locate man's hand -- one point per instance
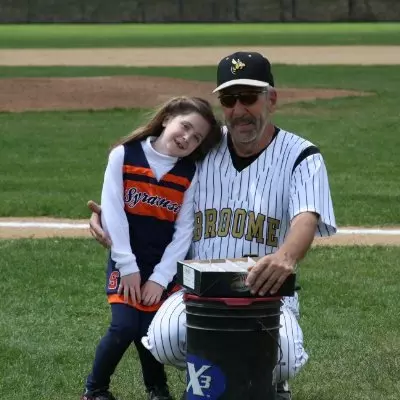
(96, 229)
(151, 293)
(269, 273)
(130, 286)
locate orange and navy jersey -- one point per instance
(151, 207)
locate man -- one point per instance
(262, 191)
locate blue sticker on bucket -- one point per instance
(204, 380)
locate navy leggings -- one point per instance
(128, 325)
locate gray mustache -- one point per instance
(238, 121)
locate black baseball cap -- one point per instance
(244, 68)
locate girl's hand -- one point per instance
(130, 286)
(151, 293)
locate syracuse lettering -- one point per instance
(133, 197)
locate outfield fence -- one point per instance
(108, 11)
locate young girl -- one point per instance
(147, 210)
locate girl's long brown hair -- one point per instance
(180, 106)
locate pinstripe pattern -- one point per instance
(249, 212)
(268, 188)
(291, 342)
(166, 337)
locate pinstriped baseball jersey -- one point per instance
(248, 211)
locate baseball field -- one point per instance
(68, 92)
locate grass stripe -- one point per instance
(182, 35)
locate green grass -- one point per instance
(51, 163)
(180, 35)
(350, 331)
(50, 328)
(199, 73)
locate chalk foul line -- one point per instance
(66, 225)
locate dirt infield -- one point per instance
(200, 56)
(21, 94)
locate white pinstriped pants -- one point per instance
(166, 337)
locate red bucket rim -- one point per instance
(232, 301)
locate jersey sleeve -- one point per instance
(310, 192)
(113, 216)
(177, 250)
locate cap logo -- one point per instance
(237, 65)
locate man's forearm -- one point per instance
(300, 236)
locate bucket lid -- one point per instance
(232, 301)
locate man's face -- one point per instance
(246, 112)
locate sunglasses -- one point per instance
(245, 98)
